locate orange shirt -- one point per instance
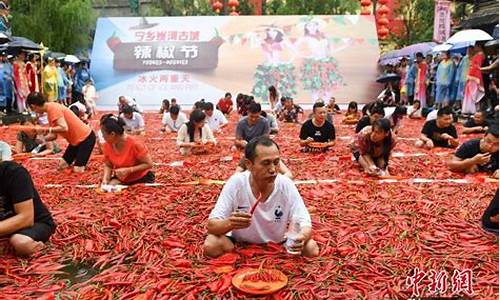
(77, 130)
(129, 156)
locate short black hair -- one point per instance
(419, 54)
(254, 108)
(111, 123)
(445, 111)
(493, 129)
(174, 109)
(36, 99)
(251, 147)
(208, 106)
(127, 109)
(377, 109)
(318, 104)
(75, 110)
(199, 104)
(227, 94)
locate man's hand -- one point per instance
(482, 158)
(495, 174)
(240, 220)
(122, 173)
(299, 243)
(309, 140)
(446, 136)
(429, 144)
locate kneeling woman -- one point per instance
(195, 135)
(126, 160)
(372, 147)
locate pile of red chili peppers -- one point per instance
(376, 238)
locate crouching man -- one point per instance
(232, 220)
(23, 216)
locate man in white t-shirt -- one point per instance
(128, 101)
(215, 118)
(280, 201)
(134, 122)
(173, 119)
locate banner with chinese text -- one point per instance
(190, 58)
(442, 23)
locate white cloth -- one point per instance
(417, 114)
(135, 123)
(432, 115)
(270, 219)
(171, 124)
(216, 120)
(183, 137)
(81, 107)
(5, 151)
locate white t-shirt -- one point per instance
(417, 114)
(171, 124)
(270, 219)
(136, 122)
(216, 120)
(432, 115)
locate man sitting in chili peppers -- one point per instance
(317, 129)
(23, 216)
(479, 154)
(439, 132)
(232, 219)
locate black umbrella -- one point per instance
(388, 78)
(4, 38)
(22, 43)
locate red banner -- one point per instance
(442, 21)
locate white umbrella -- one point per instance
(469, 35)
(442, 47)
(71, 59)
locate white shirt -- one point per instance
(5, 152)
(171, 124)
(270, 218)
(136, 122)
(183, 137)
(432, 115)
(417, 114)
(216, 120)
(81, 107)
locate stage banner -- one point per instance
(442, 23)
(193, 58)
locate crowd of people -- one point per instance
(467, 83)
(261, 175)
(60, 81)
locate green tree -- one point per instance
(183, 7)
(317, 7)
(418, 20)
(62, 25)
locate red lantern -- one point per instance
(382, 21)
(383, 32)
(366, 3)
(233, 3)
(383, 10)
(383, 2)
(217, 6)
